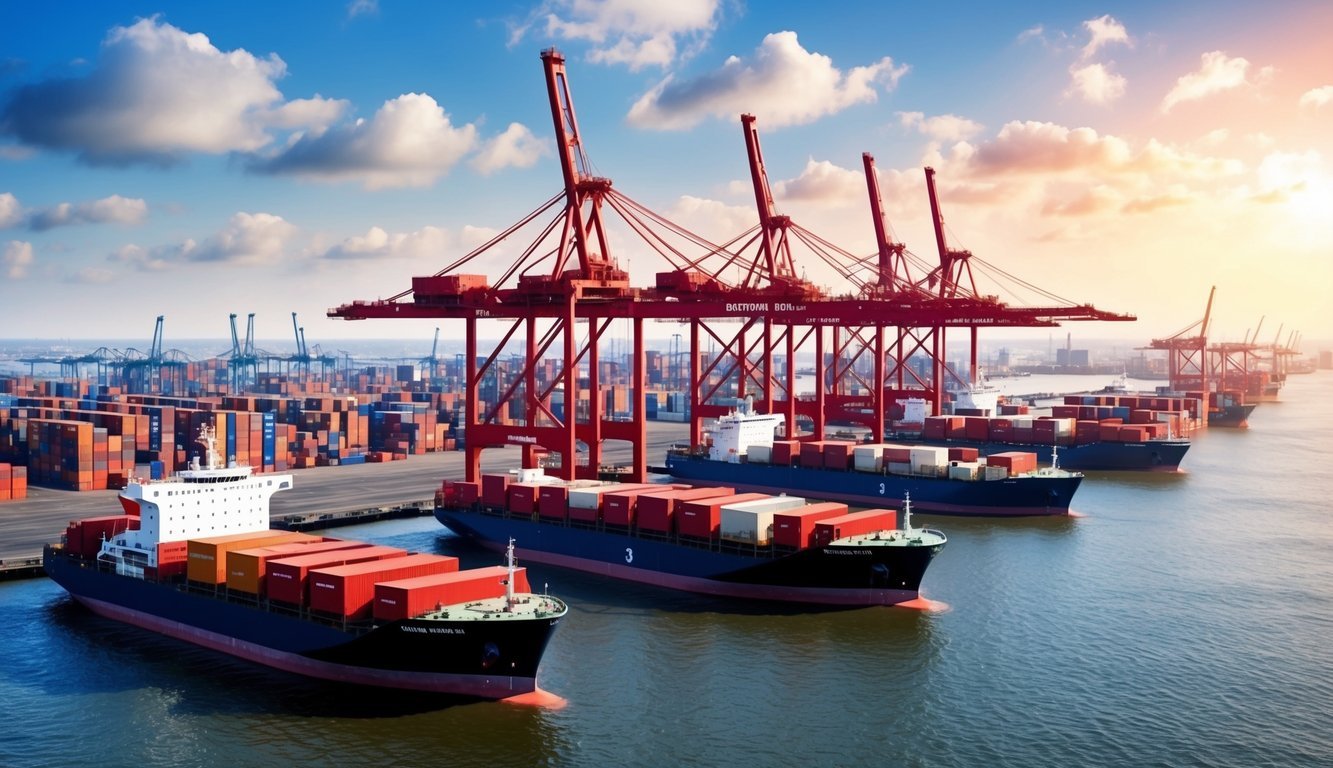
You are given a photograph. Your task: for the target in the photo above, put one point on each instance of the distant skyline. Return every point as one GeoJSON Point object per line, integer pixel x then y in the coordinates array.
{"type": "Point", "coordinates": [195, 160]}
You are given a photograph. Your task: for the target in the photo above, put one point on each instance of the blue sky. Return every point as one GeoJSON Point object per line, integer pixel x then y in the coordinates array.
{"type": "Point", "coordinates": [193, 160]}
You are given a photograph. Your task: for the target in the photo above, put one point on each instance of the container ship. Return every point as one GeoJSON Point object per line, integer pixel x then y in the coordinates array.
{"type": "Point", "coordinates": [711, 541]}
{"type": "Point", "coordinates": [192, 557]}
{"type": "Point", "coordinates": [1097, 442]}
{"type": "Point", "coordinates": [940, 480]}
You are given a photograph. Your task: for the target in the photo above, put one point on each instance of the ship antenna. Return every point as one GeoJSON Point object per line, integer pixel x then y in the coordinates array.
{"type": "Point", "coordinates": [1055, 457]}
{"type": "Point", "coordinates": [907, 512]}
{"type": "Point", "coordinates": [509, 578]}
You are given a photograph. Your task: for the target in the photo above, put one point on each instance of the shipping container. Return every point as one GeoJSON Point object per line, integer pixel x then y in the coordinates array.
{"type": "Point", "coordinates": [408, 598]}
{"type": "Point", "coordinates": [1017, 462]}
{"type": "Point", "coordinates": [553, 502]}
{"type": "Point", "coordinates": [586, 504]}
{"type": "Point", "coordinates": [751, 522]}
{"type": "Point", "coordinates": [794, 528]}
{"type": "Point", "coordinates": [702, 518]}
{"type": "Point", "coordinates": [208, 557]}
{"type": "Point", "coordinates": [288, 578]}
{"type": "Point", "coordinates": [348, 590]}
{"type": "Point", "coordinates": [656, 511]}
{"type": "Point", "coordinates": [854, 524]}
{"type": "Point", "coordinates": [247, 568]}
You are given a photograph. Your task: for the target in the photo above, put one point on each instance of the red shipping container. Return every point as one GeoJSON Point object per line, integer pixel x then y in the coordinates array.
{"type": "Point", "coordinates": [1017, 462]}
{"type": "Point", "coordinates": [976, 428]}
{"type": "Point", "coordinates": [494, 490]}
{"type": "Point", "coordinates": [784, 451]}
{"type": "Point", "coordinates": [702, 518]}
{"type": "Point", "coordinates": [656, 510]}
{"type": "Point", "coordinates": [795, 528]}
{"type": "Point", "coordinates": [838, 454]}
{"type": "Point", "coordinates": [84, 537]}
{"type": "Point", "coordinates": [812, 454]}
{"type": "Point", "coordinates": [1109, 433]}
{"type": "Point", "coordinates": [587, 515]}
{"type": "Point", "coordinates": [553, 502]}
{"type": "Point", "coordinates": [855, 524]}
{"type": "Point", "coordinates": [288, 577]}
{"type": "Point", "coordinates": [897, 454]}
{"type": "Point", "coordinates": [468, 493]}
{"type": "Point", "coordinates": [523, 497]}
{"type": "Point", "coordinates": [406, 598]}
{"type": "Point", "coordinates": [348, 590]}
{"type": "Point", "coordinates": [963, 454]}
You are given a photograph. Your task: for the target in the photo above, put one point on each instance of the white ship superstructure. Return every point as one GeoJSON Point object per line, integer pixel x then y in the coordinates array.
{"type": "Point", "coordinates": [205, 500]}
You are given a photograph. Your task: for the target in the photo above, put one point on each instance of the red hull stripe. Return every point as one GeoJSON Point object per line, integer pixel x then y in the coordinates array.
{"type": "Point", "coordinates": [498, 687]}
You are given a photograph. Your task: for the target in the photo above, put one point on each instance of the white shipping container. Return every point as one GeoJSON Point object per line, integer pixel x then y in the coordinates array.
{"type": "Point", "coordinates": [996, 473]}
{"type": "Point", "coordinates": [964, 470]}
{"type": "Point", "coordinates": [900, 468]}
{"type": "Point", "coordinates": [868, 458]}
{"type": "Point", "coordinates": [773, 503]}
{"type": "Point", "coordinates": [929, 456]}
{"type": "Point", "coordinates": [591, 496]}
{"type": "Point", "coordinates": [759, 454]}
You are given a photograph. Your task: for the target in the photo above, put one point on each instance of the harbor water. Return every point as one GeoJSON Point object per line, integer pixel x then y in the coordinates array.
{"type": "Point", "coordinates": [1181, 620]}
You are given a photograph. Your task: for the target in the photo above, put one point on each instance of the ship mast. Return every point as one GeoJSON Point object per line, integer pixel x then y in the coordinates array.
{"type": "Point", "coordinates": [509, 577]}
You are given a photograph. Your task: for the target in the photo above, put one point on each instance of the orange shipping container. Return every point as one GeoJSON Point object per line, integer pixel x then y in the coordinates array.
{"type": "Point", "coordinates": [208, 557]}
{"type": "Point", "coordinates": [247, 568]}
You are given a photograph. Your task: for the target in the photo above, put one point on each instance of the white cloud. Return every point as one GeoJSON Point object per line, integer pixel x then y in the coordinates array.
{"type": "Point", "coordinates": [516, 148]}
{"type": "Point", "coordinates": [117, 209]}
{"type": "Point", "coordinates": [150, 259]}
{"type": "Point", "coordinates": [93, 276]}
{"type": "Point", "coordinates": [940, 127]}
{"type": "Point", "coordinates": [430, 244]}
{"type": "Point", "coordinates": [316, 114]}
{"type": "Point", "coordinates": [1032, 33]}
{"type": "Point", "coordinates": [1217, 72]}
{"type": "Point", "coordinates": [410, 142]}
{"type": "Point", "coordinates": [248, 238]}
{"type": "Point", "coordinates": [824, 183]}
{"type": "Point", "coordinates": [783, 84]}
{"type": "Point", "coordinates": [635, 33]}
{"type": "Point", "coordinates": [713, 219]}
{"type": "Point", "coordinates": [156, 93]}
{"type": "Point", "coordinates": [1096, 84]}
{"type": "Point", "coordinates": [362, 8]}
{"type": "Point", "coordinates": [9, 210]}
{"type": "Point", "coordinates": [17, 258]}
{"type": "Point", "coordinates": [1103, 30]}
{"type": "Point", "coordinates": [1317, 97]}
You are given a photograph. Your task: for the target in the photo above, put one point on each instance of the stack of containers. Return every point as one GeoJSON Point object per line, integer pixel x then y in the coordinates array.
{"type": "Point", "coordinates": [348, 591]}
{"type": "Point", "coordinates": [208, 557]}
{"type": "Point", "coordinates": [656, 512]}
{"type": "Point", "coordinates": [795, 528]}
{"type": "Point", "coordinates": [751, 522]}
{"type": "Point", "coordinates": [409, 598]}
{"type": "Point", "coordinates": [702, 518]}
{"type": "Point", "coordinates": [585, 504]}
{"type": "Point", "coordinates": [928, 460]}
{"type": "Point", "coordinates": [288, 579]}
{"type": "Point", "coordinates": [1016, 462]}
{"type": "Point", "coordinates": [854, 524]}
{"type": "Point", "coordinates": [247, 568]}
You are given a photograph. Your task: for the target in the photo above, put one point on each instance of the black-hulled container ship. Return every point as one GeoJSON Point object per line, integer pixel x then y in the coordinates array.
{"type": "Point", "coordinates": [192, 558]}
{"type": "Point", "coordinates": [711, 541]}
{"type": "Point", "coordinates": [939, 480]}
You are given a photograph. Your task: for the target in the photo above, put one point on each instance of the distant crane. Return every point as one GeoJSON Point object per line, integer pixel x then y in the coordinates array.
{"type": "Point", "coordinates": [431, 364]}
{"type": "Point", "coordinates": [243, 361]}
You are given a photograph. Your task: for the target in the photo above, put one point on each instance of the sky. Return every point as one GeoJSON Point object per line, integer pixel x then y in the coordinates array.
{"type": "Point", "coordinates": [194, 160]}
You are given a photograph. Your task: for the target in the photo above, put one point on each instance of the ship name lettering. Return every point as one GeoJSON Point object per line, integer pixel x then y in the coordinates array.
{"type": "Point", "coordinates": [748, 307]}
{"type": "Point", "coordinates": [853, 552]}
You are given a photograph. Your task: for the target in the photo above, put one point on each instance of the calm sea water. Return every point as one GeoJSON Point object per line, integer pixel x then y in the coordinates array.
{"type": "Point", "coordinates": [1183, 620]}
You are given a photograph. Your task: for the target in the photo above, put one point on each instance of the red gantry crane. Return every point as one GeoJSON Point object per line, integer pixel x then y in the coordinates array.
{"type": "Point", "coordinates": [561, 295]}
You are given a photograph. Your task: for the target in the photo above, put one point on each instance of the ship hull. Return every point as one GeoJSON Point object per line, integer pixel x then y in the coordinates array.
{"type": "Point", "coordinates": [1232, 416]}
{"type": "Point", "coordinates": [490, 660]}
{"type": "Point", "coordinates": [1013, 497]}
{"type": "Point", "coordinates": [832, 575]}
{"type": "Point", "coordinates": [1148, 456]}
